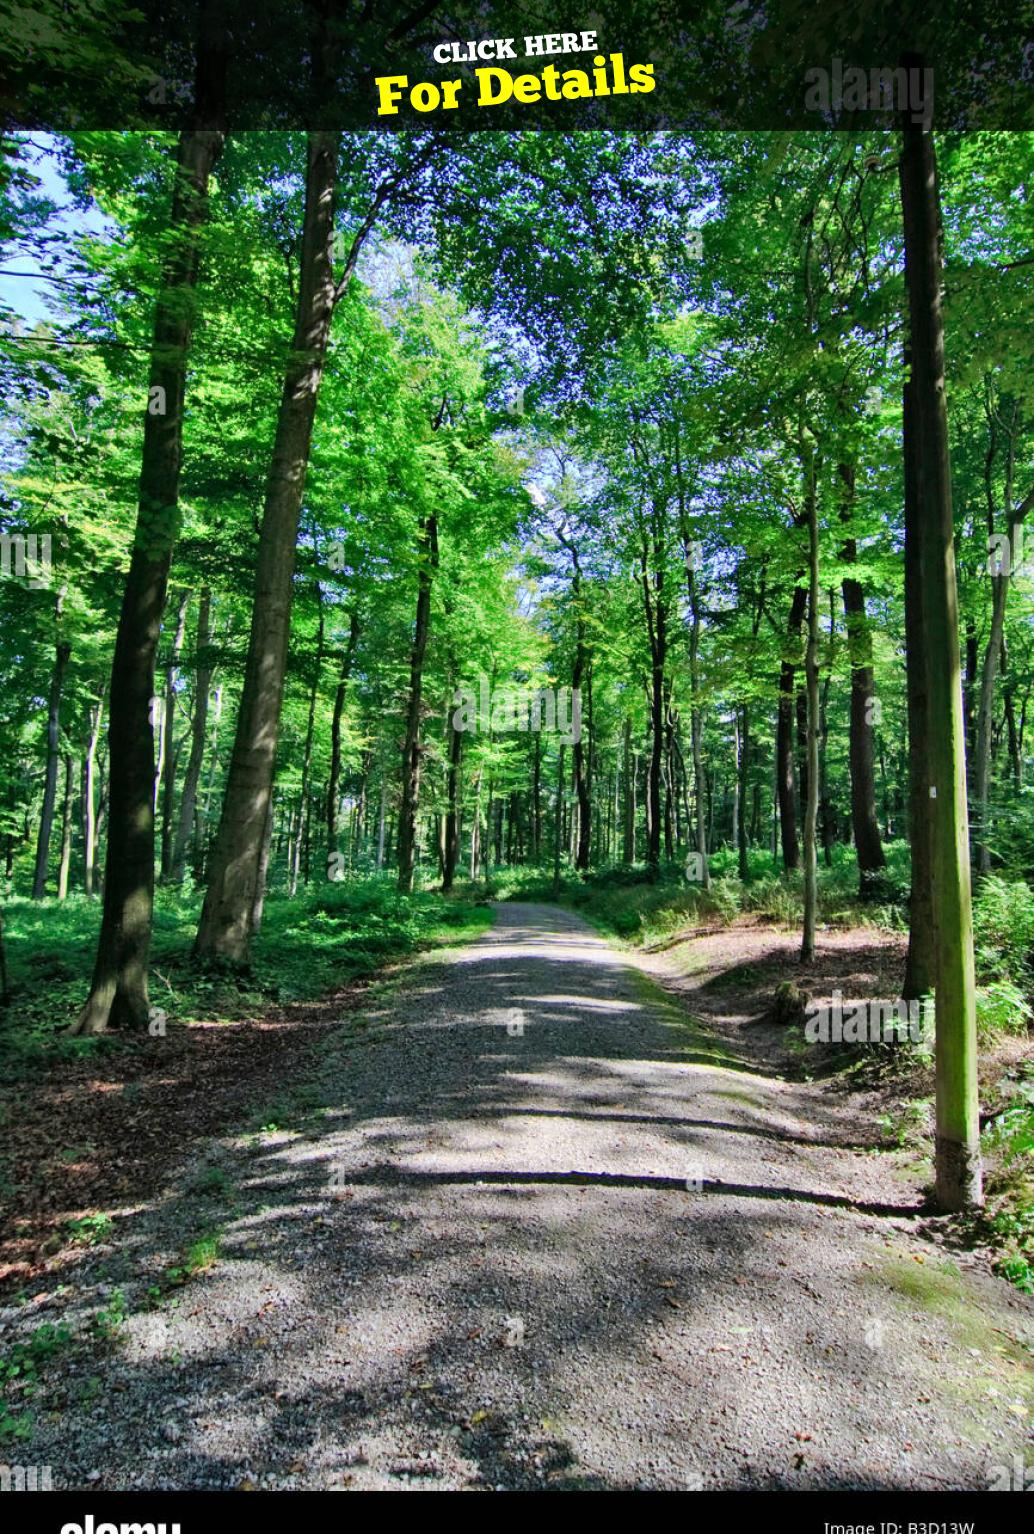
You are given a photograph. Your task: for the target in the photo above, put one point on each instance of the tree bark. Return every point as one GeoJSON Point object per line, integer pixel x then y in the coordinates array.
{"type": "Point", "coordinates": [452, 822]}
{"type": "Point", "coordinates": [864, 822]}
{"type": "Point", "coordinates": [558, 820]}
{"type": "Point", "coordinates": [412, 751]}
{"type": "Point", "coordinates": [198, 730]}
{"type": "Point", "coordinates": [334, 784]}
{"type": "Point", "coordinates": [696, 724]}
{"type": "Point", "coordinates": [62, 652]}
{"type": "Point", "coordinates": [920, 964]}
{"type": "Point", "coordinates": [811, 671]}
{"type": "Point", "coordinates": [785, 775]}
{"type": "Point", "coordinates": [258, 905]}
{"type": "Point", "coordinates": [1015, 518]}
{"type": "Point", "coordinates": [655, 606]}
{"type": "Point", "coordinates": [5, 987]}
{"type": "Point", "coordinates": [628, 772]}
{"type": "Point", "coordinates": [957, 1152]}
{"type": "Point", "coordinates": [225, 926]}
{"type": "Point", "coordinates": [89, 799]}
{"type": "Point", "coordinates": [168, 730]}
{"type": "Point", "coordinates": [118, 991]}
{"type": "Point", "coordinates": [304, 797]}
{"type": "Point", "coordinates": [66, 833]}
{"type": "Point", "coordinates": [743, 767]}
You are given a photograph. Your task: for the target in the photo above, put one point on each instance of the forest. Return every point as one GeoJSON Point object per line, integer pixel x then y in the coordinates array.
{"type": "Point", "coordinates": [397, 527]}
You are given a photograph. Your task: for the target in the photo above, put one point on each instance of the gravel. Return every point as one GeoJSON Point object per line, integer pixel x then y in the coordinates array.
{"type": "Point", "coordinates": [544, 1235]}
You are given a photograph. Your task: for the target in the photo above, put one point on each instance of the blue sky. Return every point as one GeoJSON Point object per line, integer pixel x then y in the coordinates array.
{"type": "Point", "coordinates": [28, 296]}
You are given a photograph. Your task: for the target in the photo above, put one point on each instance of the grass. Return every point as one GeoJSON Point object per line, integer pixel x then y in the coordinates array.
{"type": "Point", "coordinates": [330, 935]}
{"type": "Point", "coordinates": [19, 1373]}
{"type": "Point", "coordinates": [622, 901]}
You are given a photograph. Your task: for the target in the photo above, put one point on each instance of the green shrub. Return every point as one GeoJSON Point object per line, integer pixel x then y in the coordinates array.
{"type": "Point", "coordinates": [1001, 1008]}
{"type": "Point", "coordinates": [1003, 927]}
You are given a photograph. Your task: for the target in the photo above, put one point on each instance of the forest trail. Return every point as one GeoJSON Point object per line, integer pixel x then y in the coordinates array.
{"type": "Point", "coordinates": [551, 1235]}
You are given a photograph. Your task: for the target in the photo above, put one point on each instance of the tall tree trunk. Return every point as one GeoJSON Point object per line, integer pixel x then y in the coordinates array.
{"type": "Point", "coordinates": [198, 729]}
{"type": "Point", "coordinates": [305, 796]}
{"type": "Point", "coordinates": [225, 925]}
{"type": "Point", "coordinates": [581, 777]}
{"type": "Point", "coordinates": [168, 729]}
{"type": "Point", "coordinates": [785, 775]}
{"type": "Point", "coordinates": [920, 964]}
{"type": "Point", "coordinates": [412, 751]}
{"type": "Point", "coordinates": [1015, 758]}
{"type": "Point", "coordinates": [957, 1154]}
{"type": "Point", "coordinates": [826, 818]}
{"type": "Point", "coordinates": [258, 905]}
{"type": "Point", "coordinates": [628, 772]}
{"type": "Point", "coordinates": [1015, 518]}
{"type": "Point", "coordinates": [334, 785]}
{"type": "Point", "coordinates": [969, 689]}
{"type": "Point", "coordinates": [656, 622]}
{"type": "Point", "coordinates": [558, 820]}
{"type": "Point", "coordinates": [811, 672]}
{"type": "Point", "coordinates": [743, 768]}
{"type": "Point", "coordinates": [452, 822]}
{"type": "Point", "coordinates": [66, 833]}
{"type": "Point", "coordinates": [89, 804]}
{"type": "Point", "coordinates": [696, 724]}
{"type": "Point", "coordinates": [5, 987]}
{"type": "Point", "coordinates": [118, 991]}
{"type": "Point", "coordinates": [62, 651]}
{"type": "Point", "coordinates": [536, 801]}
{"type": "Point", "coordinates": [381, 819]}
{"type": "Point", "coordinates": [864, 822]}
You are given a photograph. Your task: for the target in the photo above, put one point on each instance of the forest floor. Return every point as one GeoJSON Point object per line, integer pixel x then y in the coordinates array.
{"type": "Point", "coordinates": [531, 1212]}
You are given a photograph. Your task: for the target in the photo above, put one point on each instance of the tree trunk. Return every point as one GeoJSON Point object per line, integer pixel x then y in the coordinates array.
{"type": "Point", "coordinates": [168, 729]}
{"type": "Point", "coordinates": [334, 785]}
{"type": "Point", "coordinates": [785, 775]}
{"type": "Point", "coordinates": [628, 845]}
{"type": "Point", "coordinates": [66, 833]}
{"type": "Point", "coordinates": [89, 799]}
{"type": "Point", "coordinates": [305, 796]}
{"type": "Point", "coordinates": [412, 750]}
{"type": "Point", "coordinates": [62, 652]}
{"type": "Point", "coordinates": [381, 820]}
{"type": "Point", "coordinates": [656, 622]}
{"type": "Point", "coordinates": [558, 820]}
{"type": "Point", "coordinates": [743, 767]}
{"type": "Point", "coordinates": [452, 821]}
{"type": "Point", "coordinates": [696, 724]}
{"type": "Point", "coordinates": [5, 987]}
{"type": "Point", "coordinates": [225, 925]}
{"type": "Point", "coordinates": [536, 802]}
{"type": "Point", "coordinates": [864, 823]}
{"type": "Point", "coordinates": [198, 728]}
{"type": "Point", "coordinates": [258, 905]}
{"type": "Point", "coordinates": [811, 672]}
{"type": "Point", "coordinates": [957, 1155]}
{"type": "Point", "coordinates": [988, 677]}
{"type": "Point", "coordinates": [118, 992]}
{"type": "Point", "coordinates": [920, 965]}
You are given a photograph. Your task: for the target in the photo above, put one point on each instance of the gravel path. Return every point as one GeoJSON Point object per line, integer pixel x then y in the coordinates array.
{"type": "Point", "coordinates": [542, 1233]}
